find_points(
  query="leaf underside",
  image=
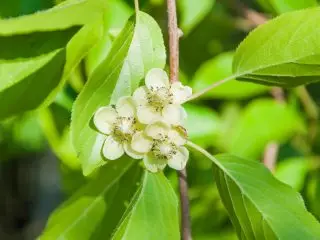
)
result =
(260, 206)
(282, 54)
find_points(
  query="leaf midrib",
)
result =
(61, 236)
(105, 82)
(224, 170)
(243, 192)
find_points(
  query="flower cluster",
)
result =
(147, 125)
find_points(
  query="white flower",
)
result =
(160, 100)
(161, 145)
(119, 124)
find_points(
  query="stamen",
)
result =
(159, 97)
(163, 149)
(124, 128)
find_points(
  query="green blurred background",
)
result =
(38, 166)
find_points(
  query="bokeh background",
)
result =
(38, 166)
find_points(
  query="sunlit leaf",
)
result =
(278, 53)
(137, 49)
(37, 55)
(153, 214)
(192, 12)
(282, 6)
(116, 16)
(96, 207)
(259, 205)
(63, 16)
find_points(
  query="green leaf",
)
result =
(137, 49)
(154, 212)
(262, 121)
(219, 68)
(37, 54)
(282, 54)
(193, 12)
(115, 18)
(313, 193)
(266, 5)
(21, 135)
(19, 79)
(282, 6)
(202, 124)
(63, 16)
(259, 205)
(55, 125)
(27, 134)
(293, 171)
(88, 211)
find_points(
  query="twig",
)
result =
(270, 155)
(173, 40)
(278, 94)
(174, 34)
(185, 210)
(272, 148)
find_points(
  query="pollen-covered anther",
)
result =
(162, 145)
(119, 124)
(160, 100)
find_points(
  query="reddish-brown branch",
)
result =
(272, 148)
(254, 17)
(270, 155)
(185, 209)
(173, 40)
(174, 34)
(278, 94)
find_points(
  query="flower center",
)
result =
(163, 149)
(124, 128)
(159, 97)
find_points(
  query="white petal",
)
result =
(157, 78)
(177, 136)
(147, 114)
(140, 96)
(180, 93)
(125, 107)
(179, 160)
(112, 149)
(141, 143)
(174, 114)
(131, 152)
(153, 164)
(104, 118)
(157, 130)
